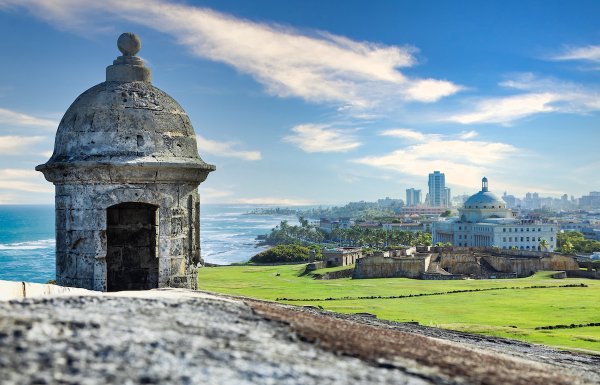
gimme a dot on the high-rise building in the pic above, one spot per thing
(437, 189)
(447, 197)
(413, 197)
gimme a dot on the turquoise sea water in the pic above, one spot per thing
(27, 238)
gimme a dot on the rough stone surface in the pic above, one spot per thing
(126, 141)
(115, 340)
(185, 337)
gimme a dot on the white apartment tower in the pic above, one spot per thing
(438, 193)
(413, 197)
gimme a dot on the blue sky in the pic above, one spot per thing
(326, 101)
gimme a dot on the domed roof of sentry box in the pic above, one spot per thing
(125, 121)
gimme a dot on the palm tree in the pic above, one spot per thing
(567, 247)
(544, 244)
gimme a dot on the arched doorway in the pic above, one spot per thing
(131, 255)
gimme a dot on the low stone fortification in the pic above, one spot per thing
(583, 274)
(346, 273)
(525, 266)
(389, 267)
(462, 264)
(315, 266)
(10, 290)
(480, 263)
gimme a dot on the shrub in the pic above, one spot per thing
(282, 253)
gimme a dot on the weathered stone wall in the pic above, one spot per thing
(347, 273)
(523, 267)
(462, 264)
(583, 274)
(559, 262)
(81, 225)
(382, 267)
(442, 277)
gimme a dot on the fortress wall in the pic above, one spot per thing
(523, 267)
(559, 262)
(461, 264)
(382, 267)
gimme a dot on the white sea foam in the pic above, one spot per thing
(29, 245)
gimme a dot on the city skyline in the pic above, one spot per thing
(318, 103)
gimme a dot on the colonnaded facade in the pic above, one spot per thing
(484, 221)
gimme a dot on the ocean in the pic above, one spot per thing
(27, 238)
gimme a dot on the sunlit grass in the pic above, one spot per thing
(513, 311)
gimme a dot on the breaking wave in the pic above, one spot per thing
(30, 245)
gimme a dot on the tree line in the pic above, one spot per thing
(354, 236)
(571, 242)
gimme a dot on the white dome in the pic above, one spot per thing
(484, 198)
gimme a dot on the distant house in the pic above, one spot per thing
(423, 210)
(412, 226)
(328, 225)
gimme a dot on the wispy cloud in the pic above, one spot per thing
(314, 65)
(24, 180)
(506, 109)
(539, 95)
(225, 149)
(586, 53)
(14, 118)
(322, 138)
(214, 195)
(405, 133)
(468, 134)
(14, 145)
(463, 161)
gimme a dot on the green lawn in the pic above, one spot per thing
(513, 312)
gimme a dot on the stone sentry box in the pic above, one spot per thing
(126, 171)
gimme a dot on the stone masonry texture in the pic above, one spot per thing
(176, 336)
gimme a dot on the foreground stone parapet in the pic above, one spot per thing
(10, 290)
(186, 337)
(126, 170)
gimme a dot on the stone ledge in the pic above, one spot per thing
(10, 290)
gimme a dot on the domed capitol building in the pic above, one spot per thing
(484, 221)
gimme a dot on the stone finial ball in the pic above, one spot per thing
(129, 43)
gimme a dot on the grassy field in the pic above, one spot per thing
(512, 309)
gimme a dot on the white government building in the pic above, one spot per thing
(485, 221)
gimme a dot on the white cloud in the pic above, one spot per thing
(225, 149)
(585, 53)
(316, 66)
(24, 180)
(9, 117)
(18, 145)
(405, 133)
(463, 161)
(540, 95)
(506, 109)
(212, 194)
(322, 138)
(431, 90)
(468, 135)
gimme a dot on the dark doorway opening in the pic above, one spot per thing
(131, 255)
